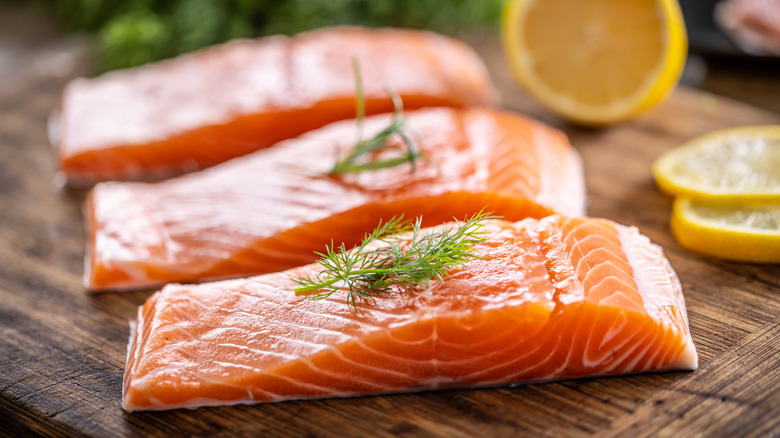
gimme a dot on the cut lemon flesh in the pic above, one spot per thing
(742, 232)
(595, 62)
(740, 164)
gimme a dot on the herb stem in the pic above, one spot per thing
(397, 254)
(360, 102)
(363, 156)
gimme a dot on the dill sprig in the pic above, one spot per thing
(359, 160)
(395, 255)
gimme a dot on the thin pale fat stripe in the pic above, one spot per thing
(345, 377)
(587, 257)
(619, 360)
(591, 363)
(341, 356)
(180, 346)
(514, 359)
(648, 263)
(654, 339)
(483, 340)
(360, 343)
(340, 336)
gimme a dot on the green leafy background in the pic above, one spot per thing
(133, 32)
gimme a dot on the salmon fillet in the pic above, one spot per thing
(271, 210)
(204, 108)
(549, 299)
(753, 25)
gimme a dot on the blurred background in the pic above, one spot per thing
(122, 33)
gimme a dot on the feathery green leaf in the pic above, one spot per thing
(363, 157)
(396, 255)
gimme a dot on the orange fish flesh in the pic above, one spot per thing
(548, 299)
(271, 210)
(204, 108)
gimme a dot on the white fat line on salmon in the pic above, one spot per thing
(335, 336)
(620, 361)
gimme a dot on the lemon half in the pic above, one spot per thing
(595, 62)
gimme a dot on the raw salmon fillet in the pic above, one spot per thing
(548, 299)
(271, 210)
(201, 109)
(753, 25)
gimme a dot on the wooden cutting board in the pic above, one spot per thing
(62, 350)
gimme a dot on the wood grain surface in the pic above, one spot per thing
(62, 350)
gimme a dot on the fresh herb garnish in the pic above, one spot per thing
(396, 254)
(359, 159)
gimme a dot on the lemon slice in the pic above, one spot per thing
(740, 164)
(595, 62)
(742, 232)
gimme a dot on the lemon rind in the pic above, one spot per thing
(724, 241)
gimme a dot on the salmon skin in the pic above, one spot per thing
(554, 298)
(201, 109)
(271, 210)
